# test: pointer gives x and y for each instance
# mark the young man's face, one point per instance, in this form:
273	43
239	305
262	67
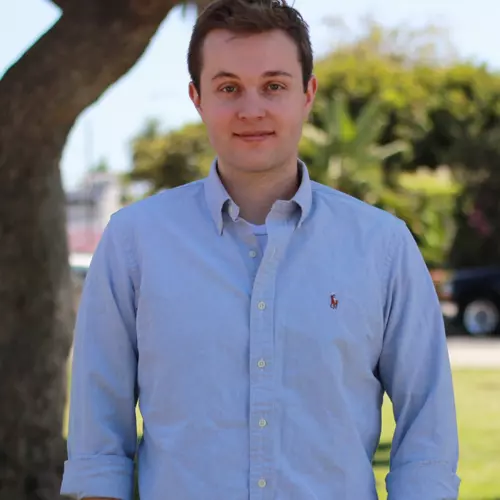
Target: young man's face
252	99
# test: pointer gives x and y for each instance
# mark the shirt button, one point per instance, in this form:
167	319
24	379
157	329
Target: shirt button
262	422
252	254
261	305
261	363
262	483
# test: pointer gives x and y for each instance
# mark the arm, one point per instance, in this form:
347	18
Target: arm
415	372
102	436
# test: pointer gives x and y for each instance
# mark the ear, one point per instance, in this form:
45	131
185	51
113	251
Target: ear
195	97
310	94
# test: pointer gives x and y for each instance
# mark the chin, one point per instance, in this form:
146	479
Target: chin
249	162
254	166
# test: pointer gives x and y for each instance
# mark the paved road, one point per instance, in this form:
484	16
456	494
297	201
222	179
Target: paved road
474	353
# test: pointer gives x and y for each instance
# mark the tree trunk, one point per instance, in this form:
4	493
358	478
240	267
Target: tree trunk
93	44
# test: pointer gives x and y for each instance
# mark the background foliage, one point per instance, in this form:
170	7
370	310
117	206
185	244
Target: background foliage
399	122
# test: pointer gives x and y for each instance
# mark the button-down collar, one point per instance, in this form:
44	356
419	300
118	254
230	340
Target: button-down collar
218	199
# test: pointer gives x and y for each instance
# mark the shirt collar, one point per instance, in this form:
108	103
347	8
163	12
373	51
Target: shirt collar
218	199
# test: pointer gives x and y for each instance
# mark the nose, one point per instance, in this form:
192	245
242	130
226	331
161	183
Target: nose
251	106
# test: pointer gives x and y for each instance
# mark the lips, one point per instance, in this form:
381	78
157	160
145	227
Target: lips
255	133
258	135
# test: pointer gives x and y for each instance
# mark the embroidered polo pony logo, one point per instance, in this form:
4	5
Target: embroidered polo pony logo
333	301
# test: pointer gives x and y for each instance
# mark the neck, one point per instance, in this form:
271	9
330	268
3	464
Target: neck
256	192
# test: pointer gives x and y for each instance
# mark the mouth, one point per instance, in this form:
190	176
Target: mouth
255	136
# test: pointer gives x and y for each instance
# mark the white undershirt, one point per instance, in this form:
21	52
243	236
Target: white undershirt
260	232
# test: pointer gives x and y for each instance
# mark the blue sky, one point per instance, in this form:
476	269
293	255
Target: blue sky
157	85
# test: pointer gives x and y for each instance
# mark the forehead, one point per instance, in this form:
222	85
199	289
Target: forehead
249	55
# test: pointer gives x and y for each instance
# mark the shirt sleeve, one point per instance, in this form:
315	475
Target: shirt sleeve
416	374
102	437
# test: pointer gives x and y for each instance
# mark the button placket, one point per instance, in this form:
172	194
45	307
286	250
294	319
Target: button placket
262	353
261	398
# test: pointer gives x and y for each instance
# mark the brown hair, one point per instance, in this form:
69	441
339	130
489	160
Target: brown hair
250	17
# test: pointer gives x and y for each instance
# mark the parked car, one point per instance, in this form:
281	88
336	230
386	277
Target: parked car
475	295
79	263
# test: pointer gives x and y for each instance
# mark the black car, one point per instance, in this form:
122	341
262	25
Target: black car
475	295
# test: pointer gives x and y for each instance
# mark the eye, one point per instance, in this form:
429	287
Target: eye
275	87
229	89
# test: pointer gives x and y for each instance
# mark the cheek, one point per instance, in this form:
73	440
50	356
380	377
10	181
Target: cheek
218	119
289	117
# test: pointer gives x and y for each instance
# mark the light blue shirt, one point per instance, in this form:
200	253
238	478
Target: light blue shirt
259	377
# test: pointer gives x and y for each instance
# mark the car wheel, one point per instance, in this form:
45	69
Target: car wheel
481	317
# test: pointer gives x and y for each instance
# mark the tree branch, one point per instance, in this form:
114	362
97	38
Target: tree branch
92	45
62	4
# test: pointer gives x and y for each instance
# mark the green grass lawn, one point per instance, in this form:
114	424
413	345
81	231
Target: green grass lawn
478	408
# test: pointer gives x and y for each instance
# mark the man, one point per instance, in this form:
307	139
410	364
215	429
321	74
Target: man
257	316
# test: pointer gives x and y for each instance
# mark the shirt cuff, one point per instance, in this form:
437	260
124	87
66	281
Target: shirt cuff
423	481
104	476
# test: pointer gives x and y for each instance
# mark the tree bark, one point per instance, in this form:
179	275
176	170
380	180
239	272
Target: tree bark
93	44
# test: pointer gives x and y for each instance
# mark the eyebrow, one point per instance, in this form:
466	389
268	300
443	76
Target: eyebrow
267	74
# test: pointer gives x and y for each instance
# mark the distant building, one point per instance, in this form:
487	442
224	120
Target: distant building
89	207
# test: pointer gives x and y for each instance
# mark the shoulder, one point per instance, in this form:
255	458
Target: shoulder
357	214
138	224
164	203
